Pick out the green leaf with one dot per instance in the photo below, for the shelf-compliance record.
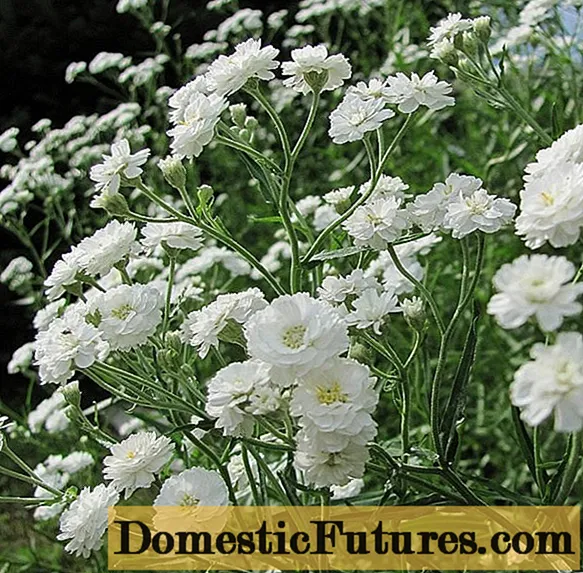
(258, 172)
(274, 219)
(525, 443)
(330, 255)
(458, 395)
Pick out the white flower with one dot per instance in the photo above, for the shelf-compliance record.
(355, 117)
(107, 175)
(228, 74)
(324, 469)
(416, 91)
(386, 187)
(308, 205)
(85, 521)
(413, 309)
(377, 223)
(73, 70)
(315, 59)
(45, 411)
(551, 207)
(124, 6)
(46, 315)
(106, 60)
(428, 210)
(8, 141)
(13, 199)
(297, 332)
(567, 149)
(63, 275)
(182, 97)
(335, 290)
(127, 315)
(69, 343)
(21, 358)
(75, 462)
(99, 253)
(371, 309)
(239, 392)
(135, 462)
(351, 489)
(203, 328)
(375, 89)
(336, 398)
(552, 380)
(477, 212)
(339, 196)
(538, 286)
(448, 28)
(196, 130)
(17, 273)
(193, 487)
(175, 235)
(324, 215)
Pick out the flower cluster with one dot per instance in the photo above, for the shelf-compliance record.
(302, 329)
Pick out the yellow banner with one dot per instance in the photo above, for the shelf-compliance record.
(344, 538)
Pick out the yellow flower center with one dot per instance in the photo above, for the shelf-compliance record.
(293, 337)
(189, 500)
(122, 312)
(131, 455)
(331, 395)
(547, 198)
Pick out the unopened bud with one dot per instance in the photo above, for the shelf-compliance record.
(446, 52)
(238, 114)
(251, 123)
(115, 204)
(205, 195)
(71, 393)
(483, 28)
(174, 172)
(414, 312)
(359, 352)
(471, 44)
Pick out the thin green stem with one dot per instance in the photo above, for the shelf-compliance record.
(314, 249)
(420, 286)
(167, 305)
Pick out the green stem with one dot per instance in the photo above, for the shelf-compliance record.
(420, 286)
(314, 249)
(167, 306)
(445, 339)
(215, 234)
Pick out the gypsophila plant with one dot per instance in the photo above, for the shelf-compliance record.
(330, 265)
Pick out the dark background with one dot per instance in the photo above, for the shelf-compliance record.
(38, 39)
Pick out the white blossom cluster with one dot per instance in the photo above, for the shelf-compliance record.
(240, 370)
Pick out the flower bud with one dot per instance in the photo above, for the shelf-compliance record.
(238, 114)
(71, 393)
(174, 172)
(359, 352)
(115, 205)
(471, 43)
(446, 52)
(414, 312)
(483, 28)
(251, 124)
(205, 194)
